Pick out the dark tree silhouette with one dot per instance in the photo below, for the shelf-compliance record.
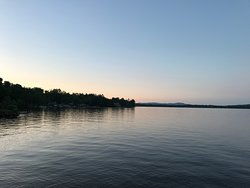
(14, 97)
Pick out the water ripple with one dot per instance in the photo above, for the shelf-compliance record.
(113, 147)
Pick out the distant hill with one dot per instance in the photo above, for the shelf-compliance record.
(160, 104)
(184, 105)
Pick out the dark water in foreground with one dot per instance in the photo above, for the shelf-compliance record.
(141, 147)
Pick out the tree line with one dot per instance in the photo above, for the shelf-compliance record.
(15, 97)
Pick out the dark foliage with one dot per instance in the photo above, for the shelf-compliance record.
(14, 97)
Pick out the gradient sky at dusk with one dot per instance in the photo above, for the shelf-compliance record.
(168, 51)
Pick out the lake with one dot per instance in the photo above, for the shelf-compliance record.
(114, 147)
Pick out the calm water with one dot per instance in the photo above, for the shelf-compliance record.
(141, 147)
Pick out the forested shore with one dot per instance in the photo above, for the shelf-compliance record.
(15, 98)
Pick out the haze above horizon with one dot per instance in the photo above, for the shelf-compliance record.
(163, 51)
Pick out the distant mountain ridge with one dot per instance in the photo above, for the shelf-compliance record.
(158, 103)
(185, 105)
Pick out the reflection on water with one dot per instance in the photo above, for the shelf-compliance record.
(41, 124)
(115, 147)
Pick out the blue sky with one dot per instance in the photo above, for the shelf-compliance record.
(189, 51)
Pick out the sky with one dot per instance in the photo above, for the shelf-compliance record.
(195, 51)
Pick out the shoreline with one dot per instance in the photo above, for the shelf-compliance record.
(8, 114)
(199, 106)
